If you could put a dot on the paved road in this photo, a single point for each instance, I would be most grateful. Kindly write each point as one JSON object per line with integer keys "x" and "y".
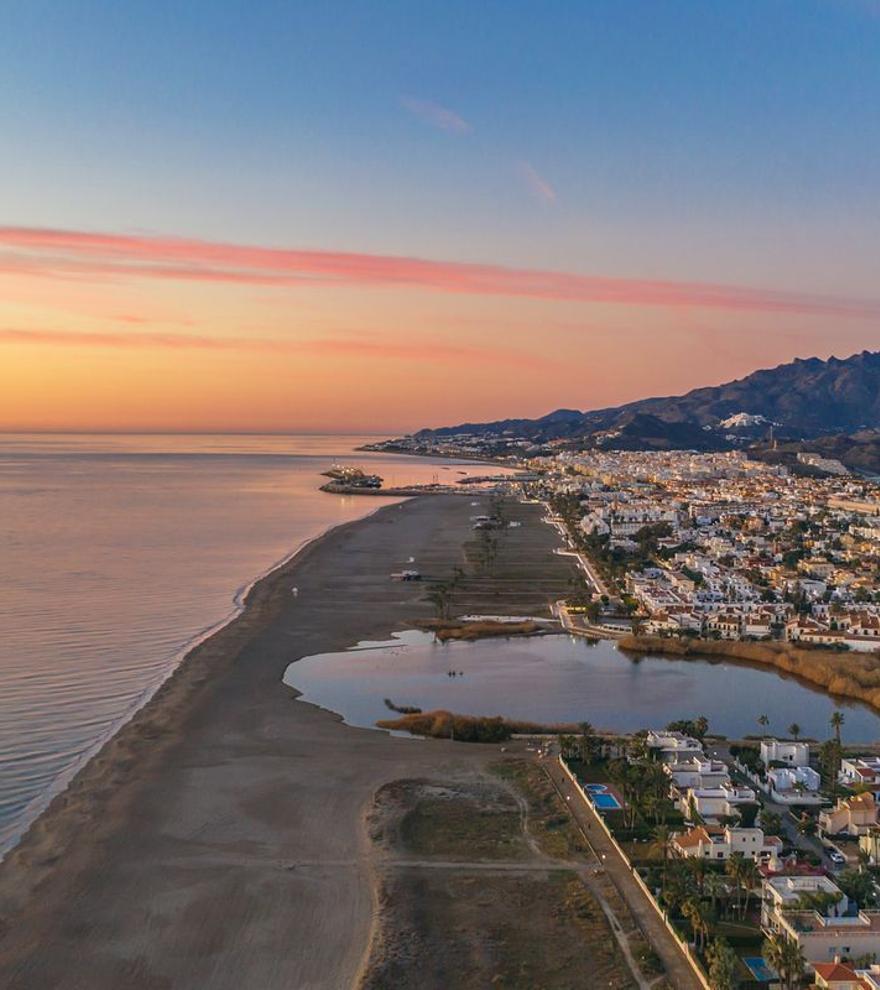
{"x": 678, "y": 969}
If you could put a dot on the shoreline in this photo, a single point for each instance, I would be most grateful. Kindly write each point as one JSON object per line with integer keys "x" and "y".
{"x": 42, "y": 802}
{"x": 246, "y": 597}
{"x": 850, "y": 676}
{"x": 216, "y": 839}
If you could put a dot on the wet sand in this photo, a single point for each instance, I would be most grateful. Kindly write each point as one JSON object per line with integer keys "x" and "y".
{"x": 218, "y": 839}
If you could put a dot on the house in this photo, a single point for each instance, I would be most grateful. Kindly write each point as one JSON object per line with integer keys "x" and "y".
{"x": 857, "y": 771}
{"x": 713, "y": 803}
{"x": 794, "y": 785}
{"x": 705, "y": 842}
{"x": 697, "y": 772}
{"x": 726, "y": 625}
{"x": 854, "y": 815}
{"x": 794, "y": 754}
{"x": 783, "y": 894}
{"x": 825, "y": 932}
{"x": 673, "y": 747}
{"x": 837, "y": 976}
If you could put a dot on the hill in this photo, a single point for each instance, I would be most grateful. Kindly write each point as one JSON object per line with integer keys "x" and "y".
{"x": 804, "y": 399}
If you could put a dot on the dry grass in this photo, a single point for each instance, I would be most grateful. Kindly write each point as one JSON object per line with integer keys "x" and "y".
{"x": 846, "y": 675}
{"x": 549, "y": 821}
{"x": 440, "y": 724}
{"x": 446, "y": 629}
{"x": 456, "y": 927}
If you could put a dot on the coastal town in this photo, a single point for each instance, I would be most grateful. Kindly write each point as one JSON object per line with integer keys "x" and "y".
{"x": 715, "y": 545}
{"x": 761, "y": 856}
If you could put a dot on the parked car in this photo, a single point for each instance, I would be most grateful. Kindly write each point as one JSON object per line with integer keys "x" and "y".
{"x": 837, "y": 858}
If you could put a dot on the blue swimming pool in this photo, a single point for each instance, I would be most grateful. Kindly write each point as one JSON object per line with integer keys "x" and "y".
{"x": 605, "y": 802}
{"x": 759, "y": 969}
{"x": 595, "y": 788}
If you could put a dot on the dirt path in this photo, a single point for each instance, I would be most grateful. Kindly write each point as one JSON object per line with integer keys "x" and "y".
{"x": 661, "y": 939}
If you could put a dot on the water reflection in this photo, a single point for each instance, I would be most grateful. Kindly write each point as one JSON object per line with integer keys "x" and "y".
{"x": 564, "y": 679}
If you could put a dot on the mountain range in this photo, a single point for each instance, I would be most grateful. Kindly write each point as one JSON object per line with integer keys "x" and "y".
{"x": 802, "y": 400}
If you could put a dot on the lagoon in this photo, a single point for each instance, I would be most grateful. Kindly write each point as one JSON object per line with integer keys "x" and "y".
{"x": 561, "y": 678}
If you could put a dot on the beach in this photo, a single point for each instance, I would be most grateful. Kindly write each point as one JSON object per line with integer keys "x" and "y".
{"x": 218, "y": 839}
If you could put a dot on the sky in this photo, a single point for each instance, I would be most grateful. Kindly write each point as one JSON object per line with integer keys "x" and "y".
{"x": 378, "y": 216}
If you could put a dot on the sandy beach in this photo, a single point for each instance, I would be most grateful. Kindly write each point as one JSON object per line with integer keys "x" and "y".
{"x": 218, "y": 839}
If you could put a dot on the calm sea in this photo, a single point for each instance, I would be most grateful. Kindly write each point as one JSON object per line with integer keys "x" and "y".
{"x": 116, "y": 552}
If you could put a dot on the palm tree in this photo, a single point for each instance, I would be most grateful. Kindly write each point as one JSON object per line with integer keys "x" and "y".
{"x": 794, "y": 730}
{"x": 661, "y": 836}
{"x": 836, "y": 721}
{"x": 697, "y": 914}
{"x": 734, "y": 869}
{"x": 698, "y": 870}
{"x": 587, "y": 742}
{"x": 787, "y": 957}
{"x": 763, "y": 721}
{"x": 749, "y": 877}
{"x": 722, "y": 964}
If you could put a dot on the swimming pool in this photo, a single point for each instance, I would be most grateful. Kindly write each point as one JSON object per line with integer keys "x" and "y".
{"x": 598, "y": 794}
{"x": 759, "y": 969}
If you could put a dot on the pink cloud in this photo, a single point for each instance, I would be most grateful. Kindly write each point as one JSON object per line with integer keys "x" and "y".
{"x": 539, "y": 187}
{"x": 354, "y": 347}
{"x": 67, "y": 254}
{"x": 435, "y": 115}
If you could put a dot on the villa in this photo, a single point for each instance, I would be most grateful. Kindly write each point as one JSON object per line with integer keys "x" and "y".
{"x": 705, "y": 842}
{"x": 698, "y": 772}
{"x": 826, "y": 933}
{"x": 714, "y": 803}
{"x": 838, "y": 976}
{"x": 795, "y": 785}
{"x": 857, "y": 771}
{"x": 855, "y": 815}
{"x": 794, "y": 754}
{"x": 673, "y": 747}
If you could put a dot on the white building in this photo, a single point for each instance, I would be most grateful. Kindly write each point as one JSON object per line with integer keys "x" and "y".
{"x": 717, "y": 844}
{"x": 698, "y": 772}
{"x": 673, "y": 747}
{"x": 860, "y": 770}
{"x": 794, "y": 785}
{"x": 794, "y": 754}
{"x": 713, "y": 803}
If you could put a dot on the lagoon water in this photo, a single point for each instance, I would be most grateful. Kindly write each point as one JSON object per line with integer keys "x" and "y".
{"x": 116, "y": 552}
{"x": 566, "y": 679}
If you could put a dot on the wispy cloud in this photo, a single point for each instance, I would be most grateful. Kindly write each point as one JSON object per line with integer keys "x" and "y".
{"x": 353, "y": 347}
{"x": 65, "y": 254}
{"x": 539, "y": 187}
{"x": 436, "y": 115}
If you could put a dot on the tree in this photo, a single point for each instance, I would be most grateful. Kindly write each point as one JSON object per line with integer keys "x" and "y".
{"x": 836, "y": 722}
{"x": 661, "y": 836}
{"x": 749, "y": 877}
{"x": 763, "y": 721}
{"x": 771, "y": 822}
{"x": 722, "y": 965}
{"x": 829, "y": 764}
{"x": 440, "y": 596}
{"x": 587, "y": 743}
{"x": 787, "y": 958}
{"x": 697, "y": 913}
{"x": 806, "y": 824}
{"x": 794, "y": 730}
{"x": 858, "y": 886}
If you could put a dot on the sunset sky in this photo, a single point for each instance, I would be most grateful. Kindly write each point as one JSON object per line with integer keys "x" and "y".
{"x": 376, "y": 216}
